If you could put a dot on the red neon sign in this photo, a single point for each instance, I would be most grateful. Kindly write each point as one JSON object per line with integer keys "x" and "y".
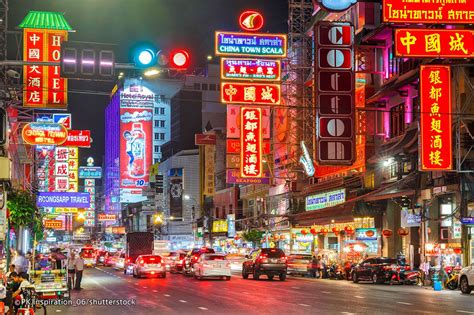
{"x": 250, "y": 69}
{"x": 78, "y": 138}
{"x": 428, "y": 11}
{"x": 250, "y": 93}
{"x": 434, "y": 43}
{"x": 251, "y": 142}
{"x": 435, "y": 135}
{"x": 251, "y": 21}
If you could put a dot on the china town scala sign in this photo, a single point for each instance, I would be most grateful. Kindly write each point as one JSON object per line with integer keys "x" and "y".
{"x": 37, "y": 133}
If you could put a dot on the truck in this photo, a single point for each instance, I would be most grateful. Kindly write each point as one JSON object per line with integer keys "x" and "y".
{"x": 137, "y": 243}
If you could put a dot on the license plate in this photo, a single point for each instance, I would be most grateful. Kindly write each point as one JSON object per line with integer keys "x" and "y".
{"x": 273, "y": 260}
{"x": 49, "y": 294}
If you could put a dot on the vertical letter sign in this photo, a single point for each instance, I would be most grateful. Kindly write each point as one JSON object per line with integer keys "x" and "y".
{"x": 251, "y": 142}
{"x": 435, "y": 135}
{"x": 334, "y": 69}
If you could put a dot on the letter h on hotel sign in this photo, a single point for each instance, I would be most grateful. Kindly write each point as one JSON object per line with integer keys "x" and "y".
{"x": 335, "y": 79}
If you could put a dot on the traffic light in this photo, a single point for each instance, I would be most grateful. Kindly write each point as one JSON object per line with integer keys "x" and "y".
{"x": 92, "y": 61}
{"x": 3, "y": 126}
{"x": 179, "y": 59}
{"x": 145, "y": 57}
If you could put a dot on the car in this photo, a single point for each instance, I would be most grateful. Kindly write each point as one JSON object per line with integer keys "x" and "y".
{"x": 236, "y": 261}
{"x": 88, "y": 254}
{"x": 193, "y": 256}
{"x": 299, "y": 264}
{"x": 176, "y": 265}
{"x": 466, "y": 279}
{"x": 212, "y": 265}
{"x": 149, "y": 265}
{"x": 119, "y": 260}
{"x": 170, "y": 257}
{"x": 101, "y": 256}
{"x": 268, "y": 261}
{"x": 377, "y": 270}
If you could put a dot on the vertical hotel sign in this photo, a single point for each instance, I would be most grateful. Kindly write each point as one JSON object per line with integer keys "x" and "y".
{"x": 251, "y": 142}
{"x": 44, "y": 88}
{"x": 436, "y": 137}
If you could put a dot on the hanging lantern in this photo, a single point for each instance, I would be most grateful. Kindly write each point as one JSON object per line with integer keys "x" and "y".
{"x": 369, "y": 233}
{"x": 236, "y": 237}
{"x": 349, "y": 230}
{"x": 276, "y": 237}
{"x": 313, "y": 231}
{"x": 402, "y": 231}
{"x": 282, "y": 237}
{"x": 387, "y": 233}
{"x": 336, "y": 230}
{"x": 304, "y": 232}
{"x": 293, "y": 235}
{"x": 324, "y": 231}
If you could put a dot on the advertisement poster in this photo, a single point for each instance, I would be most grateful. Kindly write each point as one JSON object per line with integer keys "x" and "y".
{"x": 175, "y": 176}
{"x": 136, "y": 130}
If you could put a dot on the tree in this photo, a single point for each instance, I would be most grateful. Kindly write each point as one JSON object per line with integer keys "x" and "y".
{"x": 252, "y": 236}
{"x": 22, "y": 207}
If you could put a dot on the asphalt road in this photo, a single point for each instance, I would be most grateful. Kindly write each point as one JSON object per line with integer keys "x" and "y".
{"x": 181, "y": 295}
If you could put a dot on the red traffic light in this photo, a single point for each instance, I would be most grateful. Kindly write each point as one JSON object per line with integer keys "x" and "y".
{"x": 179, "y": 59}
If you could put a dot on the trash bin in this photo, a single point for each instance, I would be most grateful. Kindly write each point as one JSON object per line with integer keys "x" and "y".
{"x": 437, "y": 285}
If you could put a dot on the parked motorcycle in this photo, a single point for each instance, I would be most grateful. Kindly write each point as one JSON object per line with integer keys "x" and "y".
{"x": 336, "y": 272}
{"x": 452, "y": 277}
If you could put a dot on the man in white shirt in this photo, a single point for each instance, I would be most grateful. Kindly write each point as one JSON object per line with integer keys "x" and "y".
{"x": 79, "y": 270}
{"x": 71, "y": 270}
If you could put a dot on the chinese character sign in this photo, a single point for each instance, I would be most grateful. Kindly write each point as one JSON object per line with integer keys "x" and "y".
{"x": 428, "y": 11}
{"x": 250, "y": 69}
{"x": 209, "y": 169}
{"x": 250, "y": 93}
{"x": 251, "y": 142}
{"x": 435, "y": 135}
{"x": 43, "y": 85}
{"x": 430, "y": 43}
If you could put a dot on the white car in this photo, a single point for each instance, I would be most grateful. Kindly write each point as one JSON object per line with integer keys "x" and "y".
{"x": 212, "y": 265}
{"x": 149, "y": 265}
{"x": 466, "y": 279}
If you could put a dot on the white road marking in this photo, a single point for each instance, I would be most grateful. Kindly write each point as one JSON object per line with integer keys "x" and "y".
{"x": 304, "y": 305}
{"x": 359, "y": 297}
{"x": 347, "y": 313}
{"x": 465, "y": 312}
{"x": 155, "y": 291}
{"x": 202, "y": 308}
{"x": 145, "y": 287}
{"x": 167, "y": 295}
{"x": 58, "y": 311}
{"x": 326, "y": 292}
{"x": 404, "y": 303}
{"x": 183, "y": 301}
{"x": 295, "y": 287}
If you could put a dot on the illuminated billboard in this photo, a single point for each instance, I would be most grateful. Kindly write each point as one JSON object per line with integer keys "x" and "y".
{"x": 435, "y": 126}
{"x": 250, "y": 93}
{"x": 250, "y": 44}
{"x": 251, "y": 142}
{"x": 37, "y": 133}
{"x": 429, "y": 11}
{"x": 250, "y": 69}
{"x": 434, "y": 43}
{"x": 136, "y": 132}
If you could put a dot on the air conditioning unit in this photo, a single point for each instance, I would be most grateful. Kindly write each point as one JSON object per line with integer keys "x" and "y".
{"x": 444, "y": 234}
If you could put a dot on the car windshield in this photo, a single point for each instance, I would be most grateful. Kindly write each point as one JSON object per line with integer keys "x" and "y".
{"x": 273, "y": 253}
{"x": 214, "y": 257}
{"x": 151, "y": 259}
{"x": 388, "y": 261}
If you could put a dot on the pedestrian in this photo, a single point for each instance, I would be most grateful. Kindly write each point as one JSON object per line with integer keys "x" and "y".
{"x": 79, "y": 270}
{"x": 20, "y": 262}
{"x": 71, "y": 270}
{"x": 315, "y": 264}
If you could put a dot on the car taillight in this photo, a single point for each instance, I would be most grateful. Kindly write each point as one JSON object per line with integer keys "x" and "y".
{"x": 262, "y": 258}
{"x": 407, "y": 268}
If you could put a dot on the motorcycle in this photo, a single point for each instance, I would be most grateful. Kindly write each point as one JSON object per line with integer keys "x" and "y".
{"x": 336, "y": 272}
{"x": 452, "y": 278}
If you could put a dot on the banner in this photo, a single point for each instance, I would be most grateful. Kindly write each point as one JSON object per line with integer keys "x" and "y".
{"x": 209, "y": 169}
{"x": 175, "y": 177}
{"x": 435, "y": 127}
{"x": 78, "y": 138}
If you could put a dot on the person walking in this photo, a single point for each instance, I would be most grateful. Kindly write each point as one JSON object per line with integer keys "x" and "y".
{"x": 79, "y": 270}
{"x": 71, "y": 270}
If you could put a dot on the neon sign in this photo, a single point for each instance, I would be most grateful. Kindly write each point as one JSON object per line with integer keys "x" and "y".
{"x": 336, "y": 5}
{"x": 251, "y": 142}
{"x": 250, "y": 69}
{"x": 250, "y": 44}
{"x": 250, "y": 93}
{"x": 430, "y": 43}
{"x": 251, "y": 21}
{"x": 306, "y": 160}
{"x": 36, "y": 133}
{"x": 435, "y": 134}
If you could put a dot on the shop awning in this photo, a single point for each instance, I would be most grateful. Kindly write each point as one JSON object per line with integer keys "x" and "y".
{"x": 398, "y": 145}
{"x": 383, "y": 195}
{"x": 393, "y": 86}
{"x": 340, "y": 214}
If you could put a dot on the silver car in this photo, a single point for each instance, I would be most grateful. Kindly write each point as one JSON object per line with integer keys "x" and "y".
{"x": 149, "y": 265}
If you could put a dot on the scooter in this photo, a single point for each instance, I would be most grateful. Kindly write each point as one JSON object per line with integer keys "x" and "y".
{"x": 452, "y": 279}
{"x": 336, "y": 272}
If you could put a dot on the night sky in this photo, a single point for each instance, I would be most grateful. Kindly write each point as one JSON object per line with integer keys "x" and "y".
{"x": 186, "y": 24}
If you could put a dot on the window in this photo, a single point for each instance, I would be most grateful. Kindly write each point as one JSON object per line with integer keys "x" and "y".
{"x": 162, "y": 136}
{"x": 156, "y": 161}
{"x": 157, "y": 110}
{"x": 397, "y": 120}
{"x": 162, "y": 123}
{"x": 196, "y": 86}
{"x": 446, "y": 212}
{"x": 162, "y": 110}
{"x": 157, "y": 136}
{"x": 157, "y": 148}
{"x": 157, "y": 123}
{"x": 204, "y": 87}
{"x": 212, "y": 87}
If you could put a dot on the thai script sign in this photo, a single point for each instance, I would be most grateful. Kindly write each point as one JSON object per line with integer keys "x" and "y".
{"x": 78, "y": 138}
{"x": 250, "y": 69}
{"x": 250, "y": 44}
{"x": 428, "y": 11}
{"x": 90, "y": 172}
{"x": 36, "y": 133}
{"x": 324, "y": 200}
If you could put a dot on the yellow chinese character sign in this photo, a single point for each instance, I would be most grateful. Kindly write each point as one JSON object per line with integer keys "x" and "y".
{"x": 435, "y": 131}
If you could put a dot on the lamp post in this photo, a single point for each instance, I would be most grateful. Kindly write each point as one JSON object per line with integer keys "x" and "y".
{"x": 188, "y": 197}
